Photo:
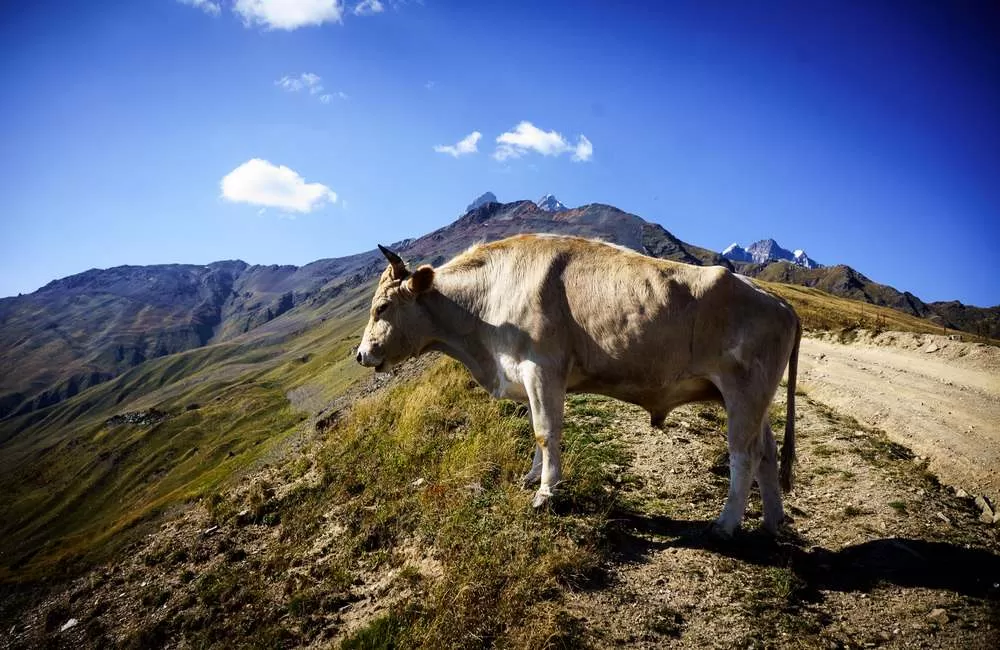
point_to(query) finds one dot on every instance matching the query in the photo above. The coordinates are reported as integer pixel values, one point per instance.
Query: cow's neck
(457, 327)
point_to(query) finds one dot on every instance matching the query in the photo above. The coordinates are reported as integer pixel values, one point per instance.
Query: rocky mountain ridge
(84, 329)
(550, 203)
(766, 251)
(482, 199)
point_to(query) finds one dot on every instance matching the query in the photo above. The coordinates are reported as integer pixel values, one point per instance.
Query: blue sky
(866, 133)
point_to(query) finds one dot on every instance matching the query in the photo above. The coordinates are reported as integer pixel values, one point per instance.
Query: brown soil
(876, 546)
(937, 396)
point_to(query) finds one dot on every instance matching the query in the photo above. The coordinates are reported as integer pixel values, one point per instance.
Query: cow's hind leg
(767, 480)
(745, 448)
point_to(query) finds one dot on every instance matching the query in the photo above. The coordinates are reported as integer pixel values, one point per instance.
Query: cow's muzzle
(368, 358)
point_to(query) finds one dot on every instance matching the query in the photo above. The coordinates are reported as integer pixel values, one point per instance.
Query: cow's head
(397, 324)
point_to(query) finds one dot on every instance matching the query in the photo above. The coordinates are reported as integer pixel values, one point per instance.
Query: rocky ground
(878, 553)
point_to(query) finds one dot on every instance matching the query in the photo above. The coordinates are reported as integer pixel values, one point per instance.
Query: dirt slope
(877, 548)
(937, 396)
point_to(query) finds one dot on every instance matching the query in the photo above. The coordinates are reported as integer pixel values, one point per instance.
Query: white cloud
(583, 150)
(305, 81)
(327, 98)
(429, 85)
(258, 182)
(210, 7)
(464, 146)
(289, 14)
(368, 7)
(309, 82)
(527, 137)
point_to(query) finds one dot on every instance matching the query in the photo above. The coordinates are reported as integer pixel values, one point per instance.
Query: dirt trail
(940, 398)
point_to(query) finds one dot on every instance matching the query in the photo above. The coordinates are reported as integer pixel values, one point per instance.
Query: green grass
(77, 489)
(823, 451)
(500, 570)
(504, 564)
(380, 634)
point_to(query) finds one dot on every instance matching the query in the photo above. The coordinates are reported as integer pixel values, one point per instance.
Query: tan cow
(535, 316)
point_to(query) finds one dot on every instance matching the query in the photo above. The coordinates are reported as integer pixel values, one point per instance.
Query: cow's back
(619, 318)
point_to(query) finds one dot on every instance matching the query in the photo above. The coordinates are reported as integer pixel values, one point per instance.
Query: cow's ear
(421, 280)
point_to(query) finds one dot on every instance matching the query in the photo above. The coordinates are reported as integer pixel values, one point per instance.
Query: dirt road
(940, 398)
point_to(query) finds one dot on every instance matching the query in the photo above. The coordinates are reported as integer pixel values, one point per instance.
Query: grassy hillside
(432, 463)
(88, 328)
(820, 310)
(79, 473)
(843, 281)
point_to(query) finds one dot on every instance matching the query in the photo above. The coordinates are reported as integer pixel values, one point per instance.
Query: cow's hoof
(774, 528)
(542, 499)
(720, 532)
(530, 480)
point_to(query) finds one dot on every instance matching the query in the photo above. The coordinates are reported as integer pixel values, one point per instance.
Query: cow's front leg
(534, 475)
(546, 394)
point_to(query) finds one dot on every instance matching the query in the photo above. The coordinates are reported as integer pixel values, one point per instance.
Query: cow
(534, 317)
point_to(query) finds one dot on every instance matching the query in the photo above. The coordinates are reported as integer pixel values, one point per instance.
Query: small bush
(381, 634)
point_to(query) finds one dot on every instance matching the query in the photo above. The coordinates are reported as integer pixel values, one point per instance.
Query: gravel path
(940, 398)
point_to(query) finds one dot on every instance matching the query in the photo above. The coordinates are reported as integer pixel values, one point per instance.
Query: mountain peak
(766, 251)
(482, 199)
(735, 252)
(550, 203)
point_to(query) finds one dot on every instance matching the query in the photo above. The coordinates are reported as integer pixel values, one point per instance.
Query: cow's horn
(398, 266)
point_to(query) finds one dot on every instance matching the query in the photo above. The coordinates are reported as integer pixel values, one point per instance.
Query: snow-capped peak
(550, 203)
(802, 259)
(736, 253)
(766, 251)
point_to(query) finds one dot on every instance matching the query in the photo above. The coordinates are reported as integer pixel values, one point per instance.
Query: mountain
(736, 253)
(842, 280)
(982, 321)
(550, 203)
(87, 328)
(482, 199)
(768, 250)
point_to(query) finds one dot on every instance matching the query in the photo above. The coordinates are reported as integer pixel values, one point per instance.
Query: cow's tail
(788, 447)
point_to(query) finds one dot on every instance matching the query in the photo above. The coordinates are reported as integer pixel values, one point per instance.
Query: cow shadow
(903, 562)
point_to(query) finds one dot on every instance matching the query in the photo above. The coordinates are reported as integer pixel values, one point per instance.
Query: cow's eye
(381, 309)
